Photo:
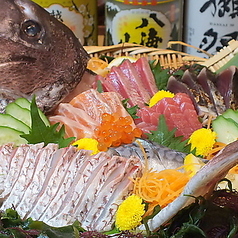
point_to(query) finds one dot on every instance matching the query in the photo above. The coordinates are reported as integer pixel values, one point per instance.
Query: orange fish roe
(115, 130)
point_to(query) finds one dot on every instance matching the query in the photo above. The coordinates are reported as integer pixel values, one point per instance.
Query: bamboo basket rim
(222, 57)
(168, 58)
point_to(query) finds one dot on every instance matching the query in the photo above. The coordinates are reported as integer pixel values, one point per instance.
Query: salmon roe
(115, 130)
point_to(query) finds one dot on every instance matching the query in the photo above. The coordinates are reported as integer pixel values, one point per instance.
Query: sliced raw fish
(178, 111)
(83, 114)
(133, 81)
(144, 70)
(59, 186)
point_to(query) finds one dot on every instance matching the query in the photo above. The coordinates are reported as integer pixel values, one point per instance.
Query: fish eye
(31, 28)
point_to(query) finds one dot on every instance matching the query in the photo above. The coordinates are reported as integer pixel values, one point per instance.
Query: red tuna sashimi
(179, 113)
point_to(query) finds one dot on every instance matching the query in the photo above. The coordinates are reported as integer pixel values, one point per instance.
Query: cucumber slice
(226, 129)
(8, 134)
(24, 103)
(229, 113)
(10, 121)
(19, 113)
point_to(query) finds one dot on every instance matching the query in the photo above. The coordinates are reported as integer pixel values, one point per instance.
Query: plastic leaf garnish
(42, 133)
(131, 110)
(164, 136)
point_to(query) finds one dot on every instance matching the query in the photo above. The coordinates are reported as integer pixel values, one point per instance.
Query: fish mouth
(15, 60)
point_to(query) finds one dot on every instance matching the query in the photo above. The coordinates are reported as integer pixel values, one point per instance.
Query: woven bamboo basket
(215, 62)
(168, 58)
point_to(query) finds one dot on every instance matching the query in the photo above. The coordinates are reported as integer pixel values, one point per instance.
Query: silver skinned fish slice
(158, 157)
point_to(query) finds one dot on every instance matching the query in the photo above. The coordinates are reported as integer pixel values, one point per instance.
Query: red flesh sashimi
(179, 113)
(133, 81)
(143, 68)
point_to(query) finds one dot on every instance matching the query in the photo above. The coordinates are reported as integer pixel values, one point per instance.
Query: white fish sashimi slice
(6, 154)
(114, 166)
(59, 186)
(102, 213)
(202, 183)
(70, 191)
(25, 175)
(39, 180)
(56, 180)
(15, 166)
(64, 192)
(90, 174)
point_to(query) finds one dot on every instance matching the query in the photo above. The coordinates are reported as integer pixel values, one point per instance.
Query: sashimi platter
(102, 146)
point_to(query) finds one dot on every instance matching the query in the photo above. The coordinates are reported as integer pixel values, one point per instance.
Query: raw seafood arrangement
(135, 151)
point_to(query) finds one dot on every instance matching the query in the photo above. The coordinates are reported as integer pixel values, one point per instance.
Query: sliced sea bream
(60, 186)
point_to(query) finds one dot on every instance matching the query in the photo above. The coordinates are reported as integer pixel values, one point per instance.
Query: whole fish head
(39, 55)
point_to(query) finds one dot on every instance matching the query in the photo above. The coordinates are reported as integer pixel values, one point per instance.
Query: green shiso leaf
(164, 136)
(42, 133)
(131, 110)
(161, 75)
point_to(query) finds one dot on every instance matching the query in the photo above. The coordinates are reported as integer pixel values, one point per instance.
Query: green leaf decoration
(99, 86)
(161, 75)
(131, 110)
(167, 138)
(42, 133)
(145, 220)
(12, 225)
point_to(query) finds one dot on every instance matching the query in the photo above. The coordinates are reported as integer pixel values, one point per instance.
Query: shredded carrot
(216, 148)
(160, 188)
(209, 121)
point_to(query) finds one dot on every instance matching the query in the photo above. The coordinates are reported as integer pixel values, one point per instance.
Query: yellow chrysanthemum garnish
(87, 144)
(160, 95)
(129, 213)
(203, 140)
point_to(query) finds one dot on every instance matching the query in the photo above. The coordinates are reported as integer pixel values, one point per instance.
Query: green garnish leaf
(161, 75)
(13, 226)
(131, 110)
(145, 220)
(99, 86)
(164, 136)
(42, 133)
